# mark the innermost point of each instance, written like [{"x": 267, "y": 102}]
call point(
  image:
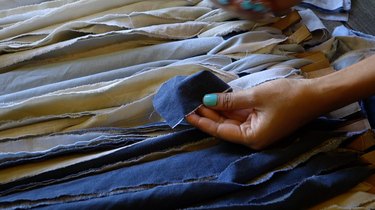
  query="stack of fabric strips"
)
[{"x": 80, "y": 127}]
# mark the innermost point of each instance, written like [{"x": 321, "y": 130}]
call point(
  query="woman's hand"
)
[
  {"x": 257, "y": 10},
  {"x": 259, "y": 116}
]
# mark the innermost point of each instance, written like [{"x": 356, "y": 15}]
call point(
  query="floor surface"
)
[{"x": 362, "y": 17}]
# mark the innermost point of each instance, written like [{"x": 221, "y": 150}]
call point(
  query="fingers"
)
[
  {"x": 249, "y": 6},
  {"x": 227, "y": 130},
  {"x": 214, "y": 116},
  {"x": 239, "y": 115},
  {"x": 229, "y": 101},
  {"x": 209, "y": 113},
  {"x": 256, "y": 9}
]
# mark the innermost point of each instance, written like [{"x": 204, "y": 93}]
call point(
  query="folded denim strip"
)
[{"x": 182, "y": 95}]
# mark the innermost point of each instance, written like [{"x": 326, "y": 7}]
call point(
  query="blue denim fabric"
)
[
  {"x": 79, "y": 141},
  {"x": 148, "y": 146},
  {"x": 368, "y": 105},
  {"x": 319, "y": 164},
  {"x": 182, "y": 195},
  {"x": 179, "y": 170},
  {"x": 85, "y": 143},
  {"x": 311, "y": 191},
  {"x": 181, "y": 95},
  {"x": 176, "y": 180},
  {"x": 262, "y": 162}
]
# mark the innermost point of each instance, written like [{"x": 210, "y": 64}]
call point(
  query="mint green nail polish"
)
[
  {"x": 259, "y": 8},
  {"x": 223, "y": 2},
  {"x": 247, "y": 5},
  {"x": 210, "y": 100}
]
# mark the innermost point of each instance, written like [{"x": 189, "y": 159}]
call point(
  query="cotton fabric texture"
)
[{"x": 91, "y": 90}]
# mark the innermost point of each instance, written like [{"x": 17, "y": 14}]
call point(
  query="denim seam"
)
[
  {"x": 8, "y": 124},
  {"x": 293, "y": 189},
  {"x": 181, "y": 149},
  {"x": 326, "y": 146},
  {"x": 92, "y": 37},
  {"x": 92, "y": 145},
  {"x": 142, "y": 187},
  {"x": 319, "y": 172},
  {"x": 113, "y": 130},
  {"x": 82, "y": 197}
]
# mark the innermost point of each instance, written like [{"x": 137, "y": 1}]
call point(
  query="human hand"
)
[
  {"x": 259, "y": 116},
  {"x": 257, "y": 10}
]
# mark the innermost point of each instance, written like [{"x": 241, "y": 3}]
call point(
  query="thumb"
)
[{"x": 229, "y": 101}]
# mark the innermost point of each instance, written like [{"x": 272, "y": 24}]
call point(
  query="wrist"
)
[
  {"x": 330, "y": 93},
  {"x": 314, "y": 99}
]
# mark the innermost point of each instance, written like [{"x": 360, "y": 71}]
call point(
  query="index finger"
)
[{"x": 229, "y": 130}]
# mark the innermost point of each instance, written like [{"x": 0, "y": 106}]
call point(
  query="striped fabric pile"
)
[{"x": 78, "y": 128}]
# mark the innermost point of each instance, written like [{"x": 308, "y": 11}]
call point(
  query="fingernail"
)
[
  {"x": 247, "y": 5},
  {"x": 223, "y": 2},
  {"x": 210, "y": 100},
  {"x": 259, "y": 7}
]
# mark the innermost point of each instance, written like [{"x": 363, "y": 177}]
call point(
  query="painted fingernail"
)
[
  {"x": 210, "y": 100},
  {"x": 223, "y": 2},
  {"x": 247, "y": 5},
  {"x": 259, "y": 7},
  {"x": 251, "y": 5}
]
